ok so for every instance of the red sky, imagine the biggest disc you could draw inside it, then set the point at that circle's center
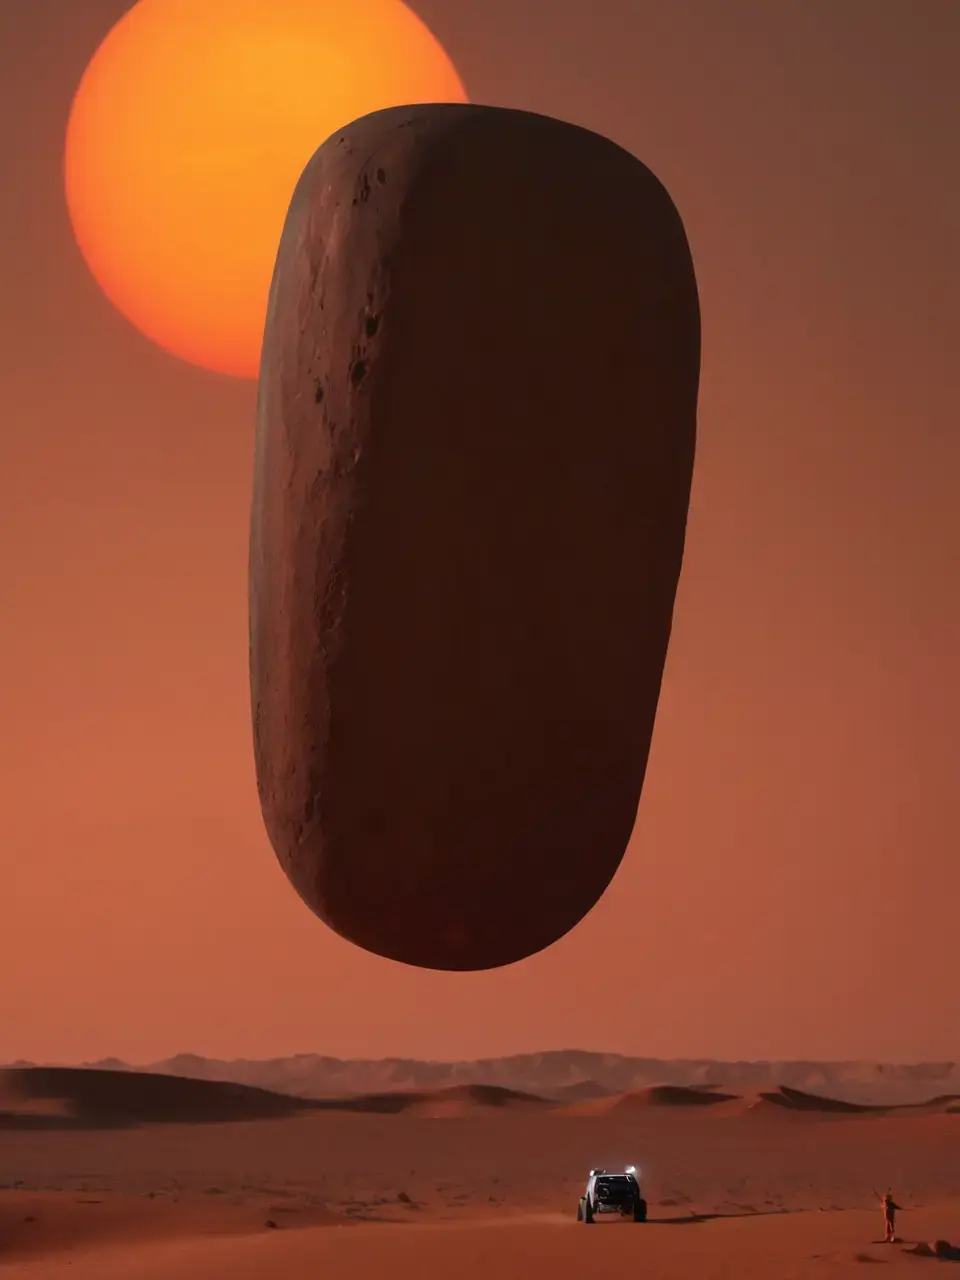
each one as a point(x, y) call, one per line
point(793, 885)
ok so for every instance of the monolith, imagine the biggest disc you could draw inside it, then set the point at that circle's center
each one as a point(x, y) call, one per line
point(474, 451)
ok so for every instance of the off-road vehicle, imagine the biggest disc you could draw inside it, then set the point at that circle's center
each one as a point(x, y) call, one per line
point(612, 1193)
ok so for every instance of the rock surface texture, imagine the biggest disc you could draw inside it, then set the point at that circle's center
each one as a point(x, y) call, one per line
point(474, 452)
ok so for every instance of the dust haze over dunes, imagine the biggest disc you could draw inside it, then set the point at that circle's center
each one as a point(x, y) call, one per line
point(566, 1074)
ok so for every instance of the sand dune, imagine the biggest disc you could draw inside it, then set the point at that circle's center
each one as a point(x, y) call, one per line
point(796, 1100)
point(562, 1073)
point(457, 1100)
point(782, 1098)
point(461, 1099)
point(65, 1097)
point(943, 1102)
point(662, 1095)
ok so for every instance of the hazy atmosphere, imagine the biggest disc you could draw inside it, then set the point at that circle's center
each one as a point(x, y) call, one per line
point(792, 886)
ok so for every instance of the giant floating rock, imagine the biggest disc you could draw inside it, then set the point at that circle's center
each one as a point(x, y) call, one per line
point(474, 452)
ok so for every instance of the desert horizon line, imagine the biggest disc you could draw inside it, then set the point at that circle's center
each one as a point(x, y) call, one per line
point(693, 1060)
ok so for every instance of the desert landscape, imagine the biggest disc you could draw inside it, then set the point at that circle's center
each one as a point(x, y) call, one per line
point(119, 1173)
point(480, 540)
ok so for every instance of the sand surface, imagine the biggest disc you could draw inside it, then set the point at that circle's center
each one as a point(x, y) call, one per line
point(452, 1185)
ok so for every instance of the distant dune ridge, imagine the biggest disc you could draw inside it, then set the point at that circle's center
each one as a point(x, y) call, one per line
point(566, 1075)
point(81, 1098)
point(782, 1098)
point(99, 1098)
point(662, 1095)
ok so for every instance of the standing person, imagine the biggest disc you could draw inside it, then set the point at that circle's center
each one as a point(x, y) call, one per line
point(890, 1207)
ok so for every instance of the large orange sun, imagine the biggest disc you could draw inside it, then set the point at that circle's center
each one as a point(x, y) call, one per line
point(188, 133)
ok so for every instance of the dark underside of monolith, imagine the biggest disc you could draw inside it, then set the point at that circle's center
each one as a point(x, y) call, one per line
point(473, 465)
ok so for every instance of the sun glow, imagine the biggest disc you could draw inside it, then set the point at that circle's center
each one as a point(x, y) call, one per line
point(188, 132)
